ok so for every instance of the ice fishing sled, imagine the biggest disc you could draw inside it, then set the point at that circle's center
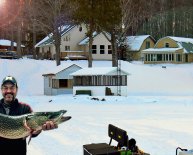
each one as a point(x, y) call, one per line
point(125, 146)
point(180, 151)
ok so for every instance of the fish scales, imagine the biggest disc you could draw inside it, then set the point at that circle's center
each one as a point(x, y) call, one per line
point(14, 127)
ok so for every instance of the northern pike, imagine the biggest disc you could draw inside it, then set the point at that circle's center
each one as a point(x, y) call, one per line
point(14, 127)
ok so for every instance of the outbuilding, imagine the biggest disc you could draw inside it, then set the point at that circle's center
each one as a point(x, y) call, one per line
point(100, 81)
point(58, 81)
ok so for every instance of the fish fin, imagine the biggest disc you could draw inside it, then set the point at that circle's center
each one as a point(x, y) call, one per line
point(30, 136)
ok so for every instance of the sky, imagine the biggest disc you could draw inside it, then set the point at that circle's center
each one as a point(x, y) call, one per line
point(157, 111)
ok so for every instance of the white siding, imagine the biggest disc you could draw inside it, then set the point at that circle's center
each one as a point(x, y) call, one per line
point(101, 40)
point(75, 37)
point(100, 90)
point(47, 89)
point(66, 73)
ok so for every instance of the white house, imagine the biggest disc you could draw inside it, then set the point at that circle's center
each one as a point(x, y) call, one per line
point(58, 81)
point(70, 37)
point(100, 81)
point(101, 47)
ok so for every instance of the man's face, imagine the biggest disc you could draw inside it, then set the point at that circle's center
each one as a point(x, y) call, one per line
point(9, 92)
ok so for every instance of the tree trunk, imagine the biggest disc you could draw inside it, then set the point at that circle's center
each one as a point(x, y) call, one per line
point(34, 42)
point(19, 40)
point(57, 39)
point(114, 50)
point(90, 51)
point(12, 42)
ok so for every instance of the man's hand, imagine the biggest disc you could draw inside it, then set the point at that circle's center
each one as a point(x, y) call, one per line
point(49, 125)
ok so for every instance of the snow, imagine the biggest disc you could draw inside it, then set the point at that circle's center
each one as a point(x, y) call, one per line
point(135, 42)
point(86, 40)
point(4, 42)
point(161, 50)
point(95, 71)
point(63, 29)
point(157, 112)
point(44, 40)
point(57, 69)
point(182, 39)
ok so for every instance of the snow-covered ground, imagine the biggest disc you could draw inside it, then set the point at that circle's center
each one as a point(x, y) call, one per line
point(157, 112)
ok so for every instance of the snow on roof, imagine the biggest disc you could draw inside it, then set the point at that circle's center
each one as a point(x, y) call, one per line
point(160, 50)
point(181, 39)
point(44, 40)
point(135, 42)
point(96, 71)
point(59, 68)
point(86, 40)
point(49, 39)
point(4, 42)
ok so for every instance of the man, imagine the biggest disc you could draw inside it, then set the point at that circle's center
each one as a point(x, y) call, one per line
point(10, 105)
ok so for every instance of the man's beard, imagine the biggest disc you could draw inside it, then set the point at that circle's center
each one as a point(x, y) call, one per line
point(9, 101)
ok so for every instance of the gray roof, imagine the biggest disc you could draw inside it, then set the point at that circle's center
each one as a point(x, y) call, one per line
point(57, 69)
point(49, 39)
point(85, 41)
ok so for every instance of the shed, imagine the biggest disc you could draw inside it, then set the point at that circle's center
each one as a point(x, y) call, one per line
point(58, 81)
point(100, 81)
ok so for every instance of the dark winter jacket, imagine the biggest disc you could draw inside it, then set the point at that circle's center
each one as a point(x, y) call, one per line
point(14, 146)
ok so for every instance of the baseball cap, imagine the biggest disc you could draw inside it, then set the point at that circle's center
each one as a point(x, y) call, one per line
point(10, 79)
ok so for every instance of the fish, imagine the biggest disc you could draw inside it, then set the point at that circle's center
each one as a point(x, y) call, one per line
point(22, 126)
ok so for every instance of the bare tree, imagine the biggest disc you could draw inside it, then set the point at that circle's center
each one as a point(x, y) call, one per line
point(50, 16)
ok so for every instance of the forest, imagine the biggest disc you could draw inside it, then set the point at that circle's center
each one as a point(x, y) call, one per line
point(28, 21)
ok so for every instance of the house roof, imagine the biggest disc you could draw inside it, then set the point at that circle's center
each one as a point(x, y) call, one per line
point(169, 50)
point(186, 43)
point(181, 39)
point(59, 68)
point(85, 41)
point(4, 42)
point(49, 39)
point(97, 71)
point(135, 42)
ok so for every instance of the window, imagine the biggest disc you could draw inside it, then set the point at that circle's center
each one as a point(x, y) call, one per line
point(107, 80)
point(67, 48)
point(167, 45)
point(154, 57)
point(67, 38)
point(109, 49)
point(178, 57)
point(54, 83)
point(63, 83)
point(147, 44)
point(102, 49)
point(42, 49)
point(94, 49)
point(159, 57)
